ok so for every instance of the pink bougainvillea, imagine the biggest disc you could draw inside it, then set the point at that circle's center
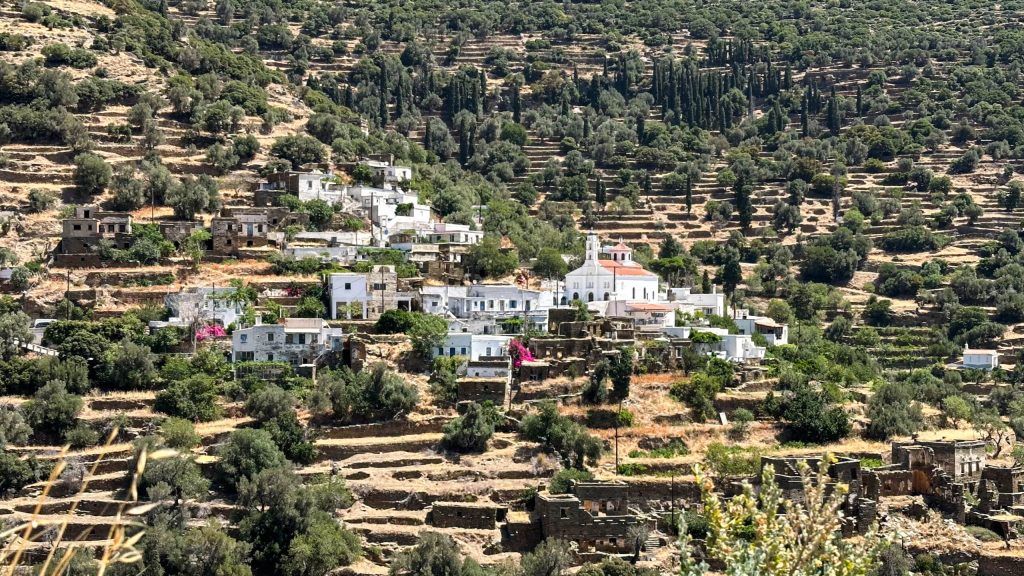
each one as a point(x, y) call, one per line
point(519, 353)
point(210, 331)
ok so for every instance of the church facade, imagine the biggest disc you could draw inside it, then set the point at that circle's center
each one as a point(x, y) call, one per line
point(617, 277)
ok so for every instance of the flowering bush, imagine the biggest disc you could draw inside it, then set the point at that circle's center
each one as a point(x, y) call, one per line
point(519, 353)
point(210, 331)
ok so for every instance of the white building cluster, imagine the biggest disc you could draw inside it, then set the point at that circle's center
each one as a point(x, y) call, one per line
point(483, 318)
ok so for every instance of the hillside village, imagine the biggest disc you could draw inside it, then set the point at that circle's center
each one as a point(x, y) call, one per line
point(511, 289)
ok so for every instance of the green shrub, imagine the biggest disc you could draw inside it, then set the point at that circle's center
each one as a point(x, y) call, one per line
point(562, 479)
point(724, 460)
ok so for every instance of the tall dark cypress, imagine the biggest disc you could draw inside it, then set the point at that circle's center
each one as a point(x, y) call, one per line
point(383, 100)
point(832, 114)
point(517, 105)
point(599, 192)
point(483, 92)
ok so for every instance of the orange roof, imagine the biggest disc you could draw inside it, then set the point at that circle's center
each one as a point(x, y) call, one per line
point(648, 307)
point(620, 247)
point(624, 269)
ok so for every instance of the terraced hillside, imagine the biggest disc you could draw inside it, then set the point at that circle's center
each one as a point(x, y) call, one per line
point(850, 169)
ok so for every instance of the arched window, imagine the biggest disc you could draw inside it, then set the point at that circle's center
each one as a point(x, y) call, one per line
point(575, 295)
point(590, 297)
point(607, 296)
point(564, 300)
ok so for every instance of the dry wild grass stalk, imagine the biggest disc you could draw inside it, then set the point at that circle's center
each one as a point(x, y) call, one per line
point(122, 536)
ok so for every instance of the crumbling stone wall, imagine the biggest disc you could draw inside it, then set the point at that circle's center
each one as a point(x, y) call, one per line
point(494, 390)
point(464, 515)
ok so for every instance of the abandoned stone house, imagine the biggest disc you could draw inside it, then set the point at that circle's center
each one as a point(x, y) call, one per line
point(859, 510)
point(595, 515)
point(944, 472)
point(238, 228)
point(486, 379)
point(177, 232)
point(1000, 505)
point(471, 515)
point(572, 346)
point(83, 233)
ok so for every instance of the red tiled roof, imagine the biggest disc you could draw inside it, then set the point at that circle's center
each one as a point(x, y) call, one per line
point(620, 247)
point(648, 307)
point(623, 269)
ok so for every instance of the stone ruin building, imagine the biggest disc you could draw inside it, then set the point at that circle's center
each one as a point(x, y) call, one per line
point(597, 516)
point(859, 510)
point(943, 472)
point(572, 346)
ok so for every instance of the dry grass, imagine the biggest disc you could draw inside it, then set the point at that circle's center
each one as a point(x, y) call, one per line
point(123, 532)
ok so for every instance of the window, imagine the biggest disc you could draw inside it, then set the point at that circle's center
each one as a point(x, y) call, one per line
point(243, 338)
point(563, 512)
point(348, 285)
point(121, 228)
point(270, 357)
point(76, 226)
point(302, 338)
point(270, 337)
point(512, 304)
point(289, 338)
point(451, 351)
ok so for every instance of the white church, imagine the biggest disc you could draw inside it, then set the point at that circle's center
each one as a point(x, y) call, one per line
point(615, 278)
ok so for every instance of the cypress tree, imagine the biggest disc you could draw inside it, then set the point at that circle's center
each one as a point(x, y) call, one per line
point(517, 106)
point(483, 91)
point(832, 114)
point(599, 194)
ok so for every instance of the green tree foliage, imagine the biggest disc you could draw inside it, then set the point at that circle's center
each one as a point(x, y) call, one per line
point(291, 527)
point(372, 394)
point(893, 411)
point(562, 480)
point(810, 415)
point(621, 373)
point(274, 409)
point(435, 554)
point(246, 453)
point(192, 196)
point(179, 434)
point(194, 398)
point(571, 441)
point(92, 174)
point(488, 260)
point(128, 366)
point(298, 149)
point(550, 264)
point(773, 546)
point(53, 410)
point(471, 431)
point(177, 476)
